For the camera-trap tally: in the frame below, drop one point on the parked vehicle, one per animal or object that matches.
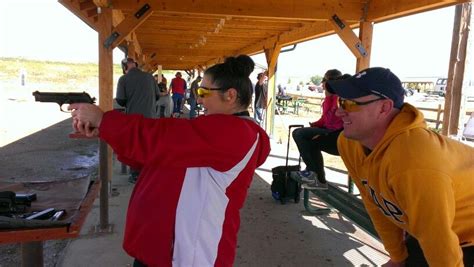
(441, 83)
(409, 91)
(440, 86)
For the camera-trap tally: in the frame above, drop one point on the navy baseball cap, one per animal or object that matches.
(377, 81)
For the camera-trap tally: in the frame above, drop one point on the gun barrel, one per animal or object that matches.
(63, 98)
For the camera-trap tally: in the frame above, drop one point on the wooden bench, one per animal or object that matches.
(32, 234)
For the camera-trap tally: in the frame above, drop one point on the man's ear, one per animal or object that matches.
(387, 106)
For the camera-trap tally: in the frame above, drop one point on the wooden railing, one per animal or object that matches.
(317, 100)
(439, 120)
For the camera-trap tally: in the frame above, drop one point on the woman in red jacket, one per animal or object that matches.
(321, 136)
(184, 210)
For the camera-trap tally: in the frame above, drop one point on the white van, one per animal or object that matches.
(441, 83)
(440, 86)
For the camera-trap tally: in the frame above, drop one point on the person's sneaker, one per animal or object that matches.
(304, 176)
(132, 178)
(316, 185)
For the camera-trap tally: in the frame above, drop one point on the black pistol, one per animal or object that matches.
(63, 98)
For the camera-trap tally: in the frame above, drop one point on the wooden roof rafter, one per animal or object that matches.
(201, 27)
(82, 9)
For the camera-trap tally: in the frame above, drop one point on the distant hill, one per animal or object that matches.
(54, 75)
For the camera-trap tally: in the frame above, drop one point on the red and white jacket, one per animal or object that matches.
(184, 210)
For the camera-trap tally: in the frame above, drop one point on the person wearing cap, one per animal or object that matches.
(320, 136)
(417, 185)
(138, 92)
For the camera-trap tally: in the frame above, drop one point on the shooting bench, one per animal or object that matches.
(282, 103)
(297, 104)
(75, 196)
(344, 201)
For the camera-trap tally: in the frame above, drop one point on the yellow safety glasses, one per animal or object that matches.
(204, 91)
(352, 105)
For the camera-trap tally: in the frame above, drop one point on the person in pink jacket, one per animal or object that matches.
(321, 136)
(184, 209)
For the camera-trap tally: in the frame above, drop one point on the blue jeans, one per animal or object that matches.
(258, 115)
(310, 149)
(192, 107)
(177, 101)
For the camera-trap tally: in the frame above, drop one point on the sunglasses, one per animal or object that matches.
(352, 105)
(204, 91)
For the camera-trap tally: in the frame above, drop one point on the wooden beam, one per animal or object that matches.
(271, 55)
(182, 22)
(179, 61)
(365, 34)
(187, 52)
(134, 48)
(192, 32)
(291, 9)
(102, 3)
(296, 35)
(348, 36)
(384, 10)
(457, 64)
(194, 38)
(105, 103)
(209, 17)
(75, 8)
(142, 12)
(91, 13)
(131, 52)
(179, 44)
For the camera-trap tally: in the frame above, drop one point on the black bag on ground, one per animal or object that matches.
(283, 187)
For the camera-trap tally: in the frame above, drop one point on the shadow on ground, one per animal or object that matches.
(272, 234)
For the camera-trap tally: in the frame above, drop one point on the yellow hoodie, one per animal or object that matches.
(417, 181)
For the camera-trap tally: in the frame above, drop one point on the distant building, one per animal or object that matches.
(420, 84)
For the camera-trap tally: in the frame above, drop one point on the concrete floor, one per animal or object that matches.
(271, 234)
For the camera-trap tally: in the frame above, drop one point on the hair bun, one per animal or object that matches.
(240, 65)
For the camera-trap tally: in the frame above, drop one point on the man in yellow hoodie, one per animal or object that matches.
(417, 185)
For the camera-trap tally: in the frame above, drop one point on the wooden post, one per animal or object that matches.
(159, 72)
(438, 116)
(457, 61)
(131, 52)
(365, 35)
(271, 55)
(105, 103)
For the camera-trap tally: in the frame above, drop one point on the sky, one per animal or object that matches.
(414, 46)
